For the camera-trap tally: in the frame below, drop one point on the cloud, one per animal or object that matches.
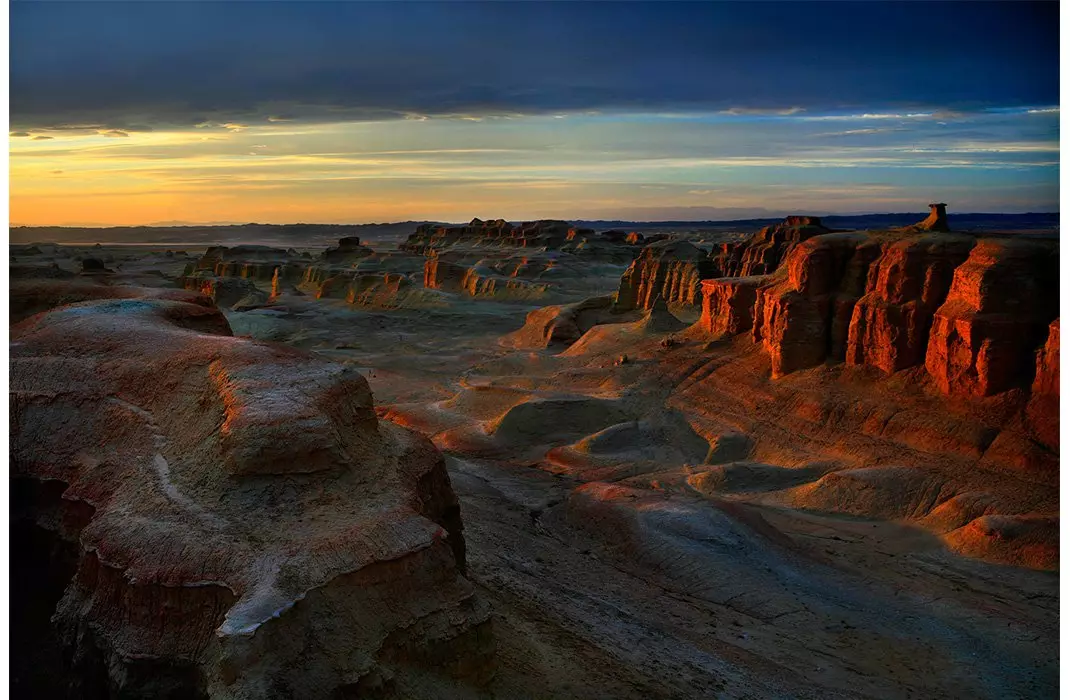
(750, 111)
(41, 138)
(19, 134)
(260, 63)
(114, 133)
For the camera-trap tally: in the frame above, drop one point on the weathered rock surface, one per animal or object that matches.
(803, 318)
(562, 325)
(763, 253)
(1043, 409)
(936, 221)
(996, 314)
(349, 250)
(545, 233)
(890, 324)
(237, 522)
(671, 270)
(228, 292)
(728, 304)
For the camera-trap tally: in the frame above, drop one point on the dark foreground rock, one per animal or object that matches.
(217, 517)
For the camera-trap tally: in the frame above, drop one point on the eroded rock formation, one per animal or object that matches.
(671, 270)
(728, 304)
(238, 523)
(890, 324)
(546, 233)
(561, 325)
(936, 221)
(802, 319)
(1043, 410)
(996, 314)
(765, 250)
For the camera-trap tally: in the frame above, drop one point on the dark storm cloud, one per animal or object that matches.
(130, 65)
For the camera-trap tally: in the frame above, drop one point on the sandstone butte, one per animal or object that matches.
(232, 520)
(972, 311)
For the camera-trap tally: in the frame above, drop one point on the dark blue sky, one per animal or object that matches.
(152, 64)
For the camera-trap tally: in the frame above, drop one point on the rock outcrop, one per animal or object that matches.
(440, 273)
(671, 270)
(890, 324)
(227, 292)
(936, 221)
(348, 251)
(763, 253)
(229, 518)
(546, 233)
(1043, 409)
(728, 304)
(996, 314)
(561, 325)
(802, 319)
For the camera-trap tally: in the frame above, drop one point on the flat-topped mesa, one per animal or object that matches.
(545, 233)
(997, 312)
(225, 510)
(936, 221)
(671, 270)
(974, 312)
(348, 250)
(890, 324)
(802, 318)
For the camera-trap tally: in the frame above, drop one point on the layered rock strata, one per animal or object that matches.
(996, 314)
(728, 304)
(671, 270)
(802, 319)
(546, 233)
(890, 324)
(237, 522)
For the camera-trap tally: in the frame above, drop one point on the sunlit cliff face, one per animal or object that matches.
(729, 164)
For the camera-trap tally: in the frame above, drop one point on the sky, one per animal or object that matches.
(126, 113)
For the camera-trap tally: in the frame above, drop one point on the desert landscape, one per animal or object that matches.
(535, 460)
(534, 350)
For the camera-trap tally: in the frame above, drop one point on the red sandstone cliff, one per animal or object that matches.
(890, 324)
(802, 318)
(996, 314)
(669, 270)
